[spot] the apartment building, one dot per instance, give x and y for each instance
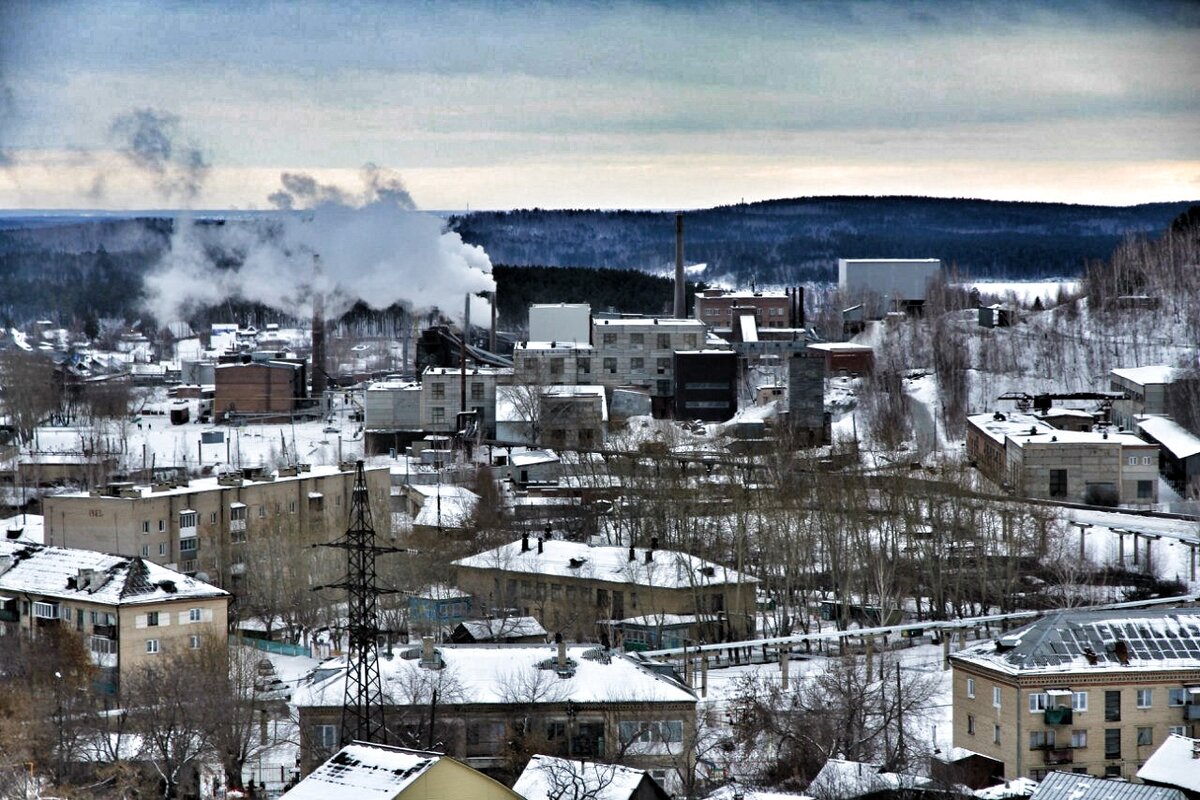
(442, 391)
(128, 610)
(583, 591)
(1093, 692)
(580, 701)
(1033, 459)
(199, 526)
(641, 351)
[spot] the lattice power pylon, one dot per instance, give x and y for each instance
(362, 707)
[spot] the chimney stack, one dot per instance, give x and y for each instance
(653, 542)
(680, 299)
(318, 335)
(524, 542)
(632, 555)
(562, 650)
(649, 556)
(541, 545)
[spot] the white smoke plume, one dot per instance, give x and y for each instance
(373, 247)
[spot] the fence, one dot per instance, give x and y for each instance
(279, 648)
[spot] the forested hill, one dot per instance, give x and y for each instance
(783, 241)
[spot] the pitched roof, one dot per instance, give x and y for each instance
(1176, 762)
(545, 777)
(117, 580)
(362, 771)
(488, 630)
(498, 673)
(668, 569)
(1071, 786)
(1083, 641)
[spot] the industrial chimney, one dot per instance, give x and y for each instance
(680, 300)
(318, 335)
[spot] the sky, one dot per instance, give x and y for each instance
(610, 105)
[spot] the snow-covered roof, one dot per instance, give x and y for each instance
(196, 485)
(490, 630)
(495, 673)
(1059, 411)
(998, 425)
(477, 372)
(850, 779)
(361, 771)
(740, 792)
(117, 580)
(668, 569)
(1087, 641)
(1020, 787)
(1026, 429)
(650, 322)
(1176, 762)
(1181, 442)
(440, 591)
(545, 777)
(558, 344)
(453, 510)
(530, 457)
(1143, 376)
(1074, 786)
(32, 528)
(661, 620)
(846, 347)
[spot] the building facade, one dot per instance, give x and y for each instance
(715, 308)
(641, 351)
(128, 611)
(1085, 691)
(706, 385)
(201, 526)
(442, 391)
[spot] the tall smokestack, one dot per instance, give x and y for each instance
(680, 301)
(492, 337)
(318, 334)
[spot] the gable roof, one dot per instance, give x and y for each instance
(543, 775)
(116, 580)
(668, 570)
(1176, 762)
(1083, 641)
(488, 630)
(362, 771)
(1071, 786)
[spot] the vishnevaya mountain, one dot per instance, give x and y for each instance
(786, 241)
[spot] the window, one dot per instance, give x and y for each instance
(1079, 701)
(476, 391)
(1112, 705)
(194, 641)
(1112, 771)
(610, 366)
(995, 734)
(212, 518)
(1176, 697)
(162, 548)
(1145, 735)
(637, 340)
(1078, 738)
(1037, 702)
(970, 687)
(971, 724)
(145, 526)
(664, 341)
(1112, 743)
(187, 519)
(1144, 697)
(1041, 739)
(102, 645)
(152, 645)
(437, 391)
(556, 368)
(663, 366)
(145, 550)
(689, 341)
(664, 388)
(292, 507)
(325, 736)
(1145, 490)
(1058, 483)
(162, 525)
(1132, 461)
(996, 696)
(637, 364)
(187, 545)
(437, 414)
(1038, 774)
(609, 339)
(585, 366)
(1146, 461)
(152, 618)
(1178, 730)
(262, 511)
(195, 614)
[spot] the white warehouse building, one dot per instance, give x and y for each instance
(886, 284)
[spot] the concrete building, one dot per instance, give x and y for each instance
(550, 363)
(716, 308)
(1178, 453)
(199, 526)
(806, 396)
(1092, 691)
(886, 284)
(706, 385)
(441, 397)
(583, 591)
(560, 322)
(562, 417)
(391, 415)
(845, 357)
(263, 389)
(1025, 455)
(128, 611)
(581, 701)
(640, 351)
(1145, 389)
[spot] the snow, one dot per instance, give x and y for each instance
(545, 776)
(1025, 291)
(668, 570)
(361, 771)
(1181, 442)
(493, 673)
(1159, 373)
(31, 526)
(1021, 787)
(1175, 763)
(486, 630)
(45, 570)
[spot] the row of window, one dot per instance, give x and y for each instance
(437, 390)
(638, 340)
(154, 646)
(1144, 698)
(1133, 460)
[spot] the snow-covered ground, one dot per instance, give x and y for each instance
(1024, 292)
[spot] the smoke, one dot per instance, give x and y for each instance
(7, 108)
(373, 246)
(150, 140)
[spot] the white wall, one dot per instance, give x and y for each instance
(560, 322)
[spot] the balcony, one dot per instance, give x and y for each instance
(1060, 755)
(1191, 711)
(105, 631)
(1058, 715)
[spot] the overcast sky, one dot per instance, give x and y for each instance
(646, 105)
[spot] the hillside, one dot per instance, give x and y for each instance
(787, 241)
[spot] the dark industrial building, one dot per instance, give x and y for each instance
(706, 384)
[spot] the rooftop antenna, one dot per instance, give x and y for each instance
(362, 704)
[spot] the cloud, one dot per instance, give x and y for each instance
(150, 140)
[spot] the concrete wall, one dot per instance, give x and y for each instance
(642, 352)
(393, 407)
(560, 322)
(441, 389)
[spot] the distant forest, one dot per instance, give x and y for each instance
(781, 242)
(75, 269)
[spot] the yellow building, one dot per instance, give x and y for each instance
(128, 611)
(1087, 691)
(362, 771)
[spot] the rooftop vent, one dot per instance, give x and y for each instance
(576, 563)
